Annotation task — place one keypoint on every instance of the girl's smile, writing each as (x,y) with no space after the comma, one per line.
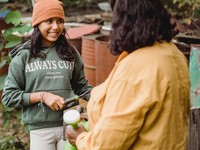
(50,30)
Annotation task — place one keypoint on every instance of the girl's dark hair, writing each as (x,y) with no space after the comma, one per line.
(138,23)
(64,49)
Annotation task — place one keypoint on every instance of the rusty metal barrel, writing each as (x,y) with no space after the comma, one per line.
(104,60)
(88,55)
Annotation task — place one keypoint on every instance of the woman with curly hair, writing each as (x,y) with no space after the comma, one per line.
(144,103)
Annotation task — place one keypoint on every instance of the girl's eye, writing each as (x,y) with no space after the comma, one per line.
(60,21)
(49,21)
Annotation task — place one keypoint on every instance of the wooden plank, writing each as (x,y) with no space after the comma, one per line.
(194,130)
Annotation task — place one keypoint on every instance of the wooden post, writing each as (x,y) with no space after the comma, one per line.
(194,130)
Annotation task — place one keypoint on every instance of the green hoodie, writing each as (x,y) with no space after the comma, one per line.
(52,74)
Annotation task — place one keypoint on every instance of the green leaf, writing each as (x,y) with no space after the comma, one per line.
(3,63)
(8,109)
(1,46)
(12,41)
(19,114)
(24,29)
(13,17)
(2,10)
(16,30)
(21,29)
(15,127)
(11,141)
(7,32)
(2,81)
(5,59)
(6,124)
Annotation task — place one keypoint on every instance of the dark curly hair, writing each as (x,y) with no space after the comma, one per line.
(139,23)
(64,49)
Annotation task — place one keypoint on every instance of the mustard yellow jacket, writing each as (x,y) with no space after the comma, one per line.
(143,105)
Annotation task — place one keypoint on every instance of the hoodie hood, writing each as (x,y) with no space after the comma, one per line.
(18,48)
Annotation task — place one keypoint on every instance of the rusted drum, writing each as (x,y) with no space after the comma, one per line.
(88,55)
(104,59)
(75,34)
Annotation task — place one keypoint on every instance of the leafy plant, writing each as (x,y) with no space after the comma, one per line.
(187,9)
(13,34)
(14,135)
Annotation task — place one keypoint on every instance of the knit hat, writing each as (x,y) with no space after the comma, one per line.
(45,9)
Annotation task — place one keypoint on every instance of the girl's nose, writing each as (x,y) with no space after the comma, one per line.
(54,25)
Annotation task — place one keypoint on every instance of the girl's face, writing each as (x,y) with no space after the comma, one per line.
(50,30)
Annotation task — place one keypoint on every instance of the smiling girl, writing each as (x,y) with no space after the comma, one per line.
(43,72)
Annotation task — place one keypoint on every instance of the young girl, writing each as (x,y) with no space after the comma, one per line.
(43,72)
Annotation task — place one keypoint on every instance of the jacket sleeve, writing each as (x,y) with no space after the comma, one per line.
(79,82)
(123,114)
(13,92)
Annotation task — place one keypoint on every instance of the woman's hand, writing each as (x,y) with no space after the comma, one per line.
(72,133)
(55,102)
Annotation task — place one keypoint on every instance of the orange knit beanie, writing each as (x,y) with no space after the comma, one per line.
(45,9)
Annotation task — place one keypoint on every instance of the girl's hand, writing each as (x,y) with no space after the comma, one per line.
(72,133)
(55,102)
